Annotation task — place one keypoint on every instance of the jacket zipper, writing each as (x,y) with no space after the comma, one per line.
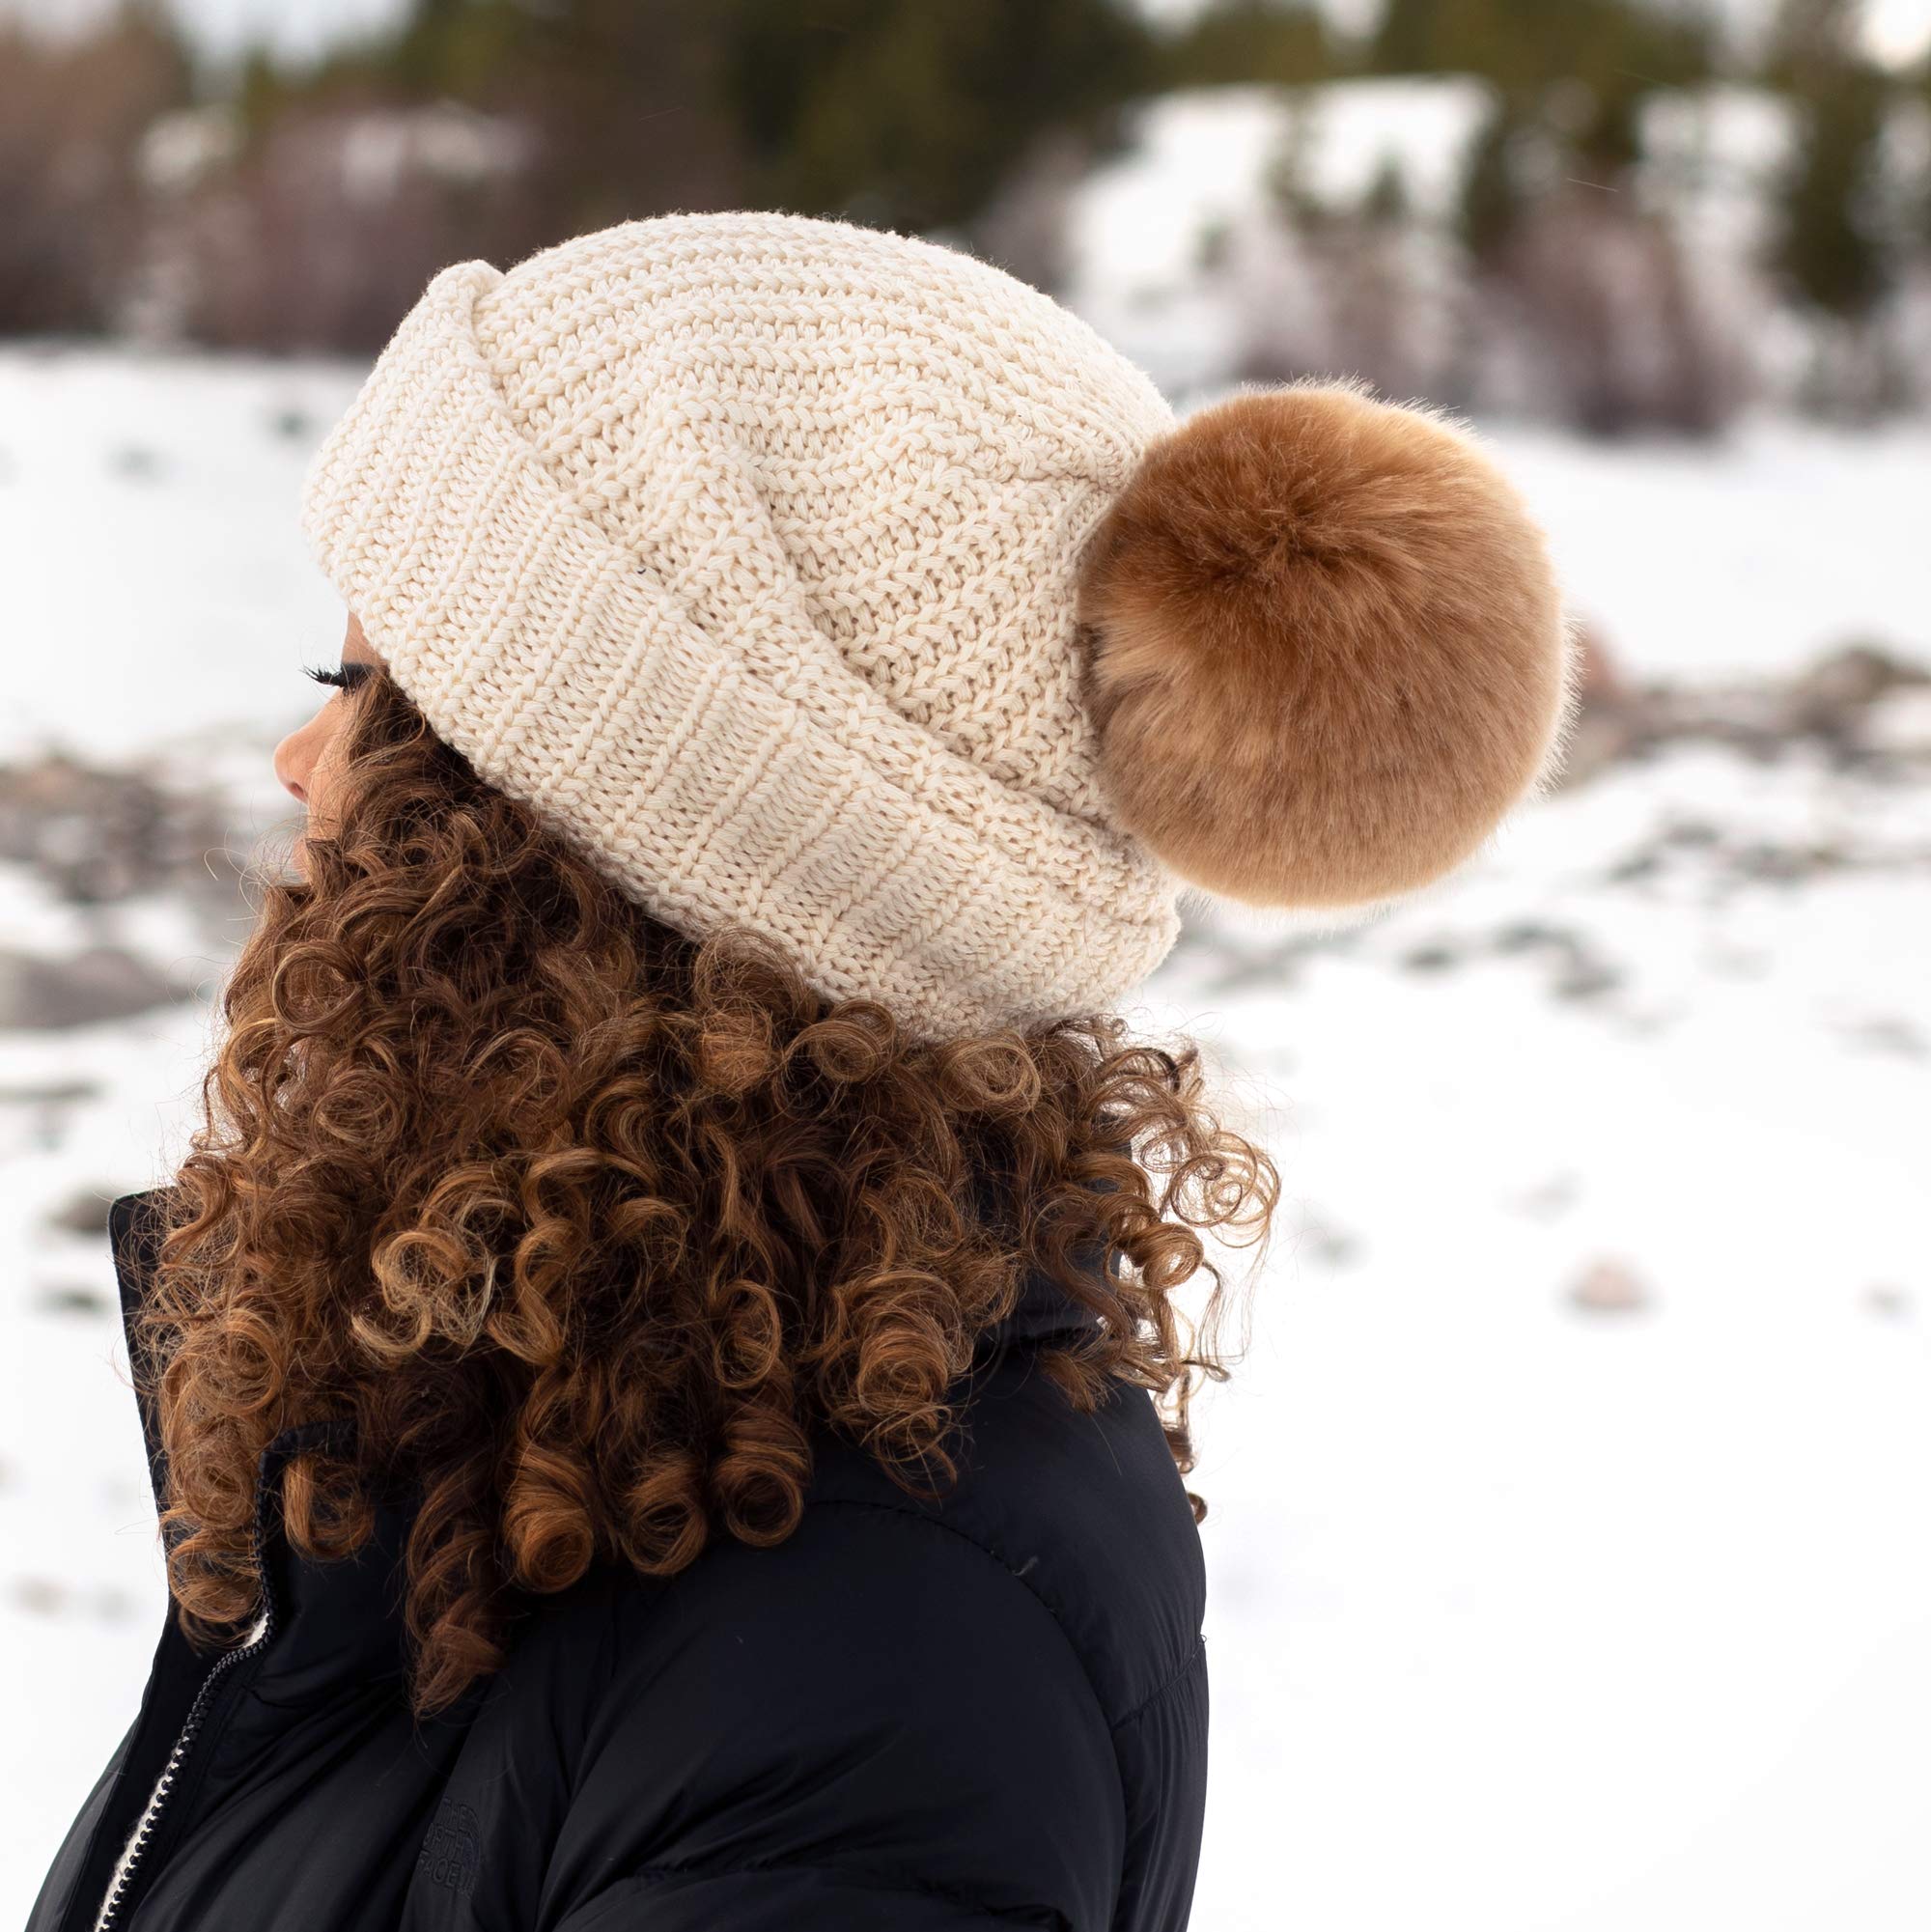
(144,1830)
(256,1642)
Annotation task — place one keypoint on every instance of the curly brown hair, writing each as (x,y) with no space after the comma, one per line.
(586,1225)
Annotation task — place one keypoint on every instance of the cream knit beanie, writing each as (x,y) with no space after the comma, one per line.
(749,550)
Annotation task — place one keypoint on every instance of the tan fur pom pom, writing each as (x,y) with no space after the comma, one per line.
(1327,651)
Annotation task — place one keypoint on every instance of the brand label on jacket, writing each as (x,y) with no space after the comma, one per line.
(453,1848)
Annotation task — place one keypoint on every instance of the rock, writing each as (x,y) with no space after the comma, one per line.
(83,1214)
(1889,1033)
(55,1094)
(40,1596)
(1599,679)
(142,465)
(1319,1240)
(1830,698)
(39,1116)
(1609,720)
(103,983)
(97,836)
(1899,724)
(1609,1288)
(1854,701)
(1550,1199)
(72,1297)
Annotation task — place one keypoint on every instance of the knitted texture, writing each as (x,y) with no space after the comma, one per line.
(745,547)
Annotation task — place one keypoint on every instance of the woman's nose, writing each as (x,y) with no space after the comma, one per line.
(292,767)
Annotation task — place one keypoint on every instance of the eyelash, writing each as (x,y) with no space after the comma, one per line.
(344,677)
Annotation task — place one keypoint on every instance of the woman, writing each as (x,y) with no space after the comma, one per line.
(663,1365)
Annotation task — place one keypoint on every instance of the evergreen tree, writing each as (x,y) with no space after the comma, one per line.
(1812,40)
(72,115)
(1526,45)
(626,98)
(1829,246)
(1595,60)
(1411,37)
(1491,201)
(912,116)
(909,115)
(1284,42)
(1387,203)
(260,92)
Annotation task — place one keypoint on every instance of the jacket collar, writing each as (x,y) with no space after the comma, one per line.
(337,1627)
(334,1625)
(136,1223)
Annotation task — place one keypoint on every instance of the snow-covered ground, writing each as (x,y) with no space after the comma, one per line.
(1567,1548)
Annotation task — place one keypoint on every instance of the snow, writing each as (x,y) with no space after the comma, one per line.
(1209,162)
(1749,555)
(1202,156)
(1526,1615)
(147,507)
(1725,140)
(1530,1618)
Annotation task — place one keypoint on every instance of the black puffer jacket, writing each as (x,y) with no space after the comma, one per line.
(990,1712)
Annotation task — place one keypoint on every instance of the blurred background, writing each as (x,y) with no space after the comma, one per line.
(1568,1532)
